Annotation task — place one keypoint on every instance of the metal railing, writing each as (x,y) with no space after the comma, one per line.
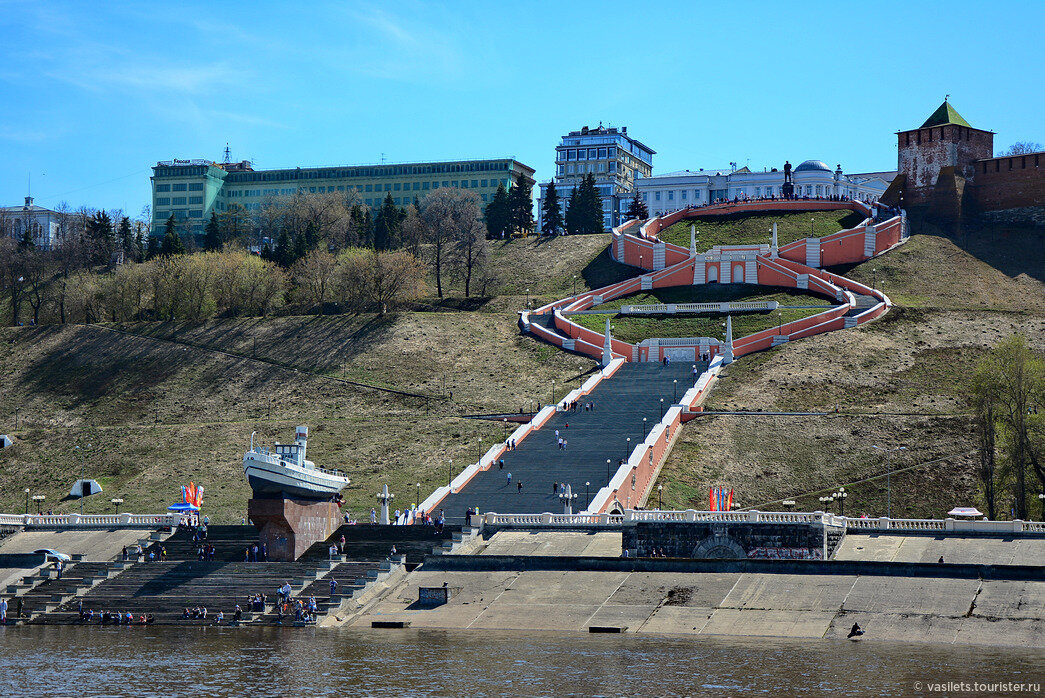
(631,516)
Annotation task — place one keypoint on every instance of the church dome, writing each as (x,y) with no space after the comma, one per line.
(810,165)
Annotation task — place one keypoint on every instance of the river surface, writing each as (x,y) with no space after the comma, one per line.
(176,661)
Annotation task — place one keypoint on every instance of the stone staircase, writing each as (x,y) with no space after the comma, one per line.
(834,535)
(42,593)
(165,589)
(369,543)
(230,543)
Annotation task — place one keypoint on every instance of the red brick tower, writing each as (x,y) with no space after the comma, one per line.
(937,157)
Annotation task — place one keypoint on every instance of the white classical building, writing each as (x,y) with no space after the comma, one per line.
(42,223)
(813,179)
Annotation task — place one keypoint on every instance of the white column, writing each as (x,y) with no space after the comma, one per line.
(727,354)
(607,347)
(774,250)
(385,498)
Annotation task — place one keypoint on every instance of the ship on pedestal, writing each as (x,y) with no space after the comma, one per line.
(283,472)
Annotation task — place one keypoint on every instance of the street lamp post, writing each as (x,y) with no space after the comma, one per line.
(889,475)
(675,384)
(841,495)
(811,226)
(116,502)
(575,284)
(660,498)
(874,278)
(1041,497)
(418,505)
(587,501)
(26,500)
(608,476)
(825,503)
(39,499)
(450,473)
(662,408)
(643,428)
(789,503)
(527,299)
(627,448)
(505,428)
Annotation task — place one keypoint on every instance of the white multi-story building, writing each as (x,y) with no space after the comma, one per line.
(812,179)
(615,159)
(43,223)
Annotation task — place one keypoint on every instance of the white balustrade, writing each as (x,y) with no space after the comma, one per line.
(89,520)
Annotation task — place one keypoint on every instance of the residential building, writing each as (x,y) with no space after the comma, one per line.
(615,159)
(812,178)
(44,225)
(192,189)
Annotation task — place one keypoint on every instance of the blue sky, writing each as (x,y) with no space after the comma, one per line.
(96,93)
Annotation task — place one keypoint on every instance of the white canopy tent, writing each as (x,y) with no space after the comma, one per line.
(85,488)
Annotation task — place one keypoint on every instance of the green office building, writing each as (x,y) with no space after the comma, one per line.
(192,189)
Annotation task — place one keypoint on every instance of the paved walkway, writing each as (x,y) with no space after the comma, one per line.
(621,402)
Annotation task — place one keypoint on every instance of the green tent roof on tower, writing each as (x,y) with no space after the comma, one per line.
(945,115)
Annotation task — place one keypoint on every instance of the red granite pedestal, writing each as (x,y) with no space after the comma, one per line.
(289,527)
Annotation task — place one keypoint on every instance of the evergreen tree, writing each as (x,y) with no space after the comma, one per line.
(125,235)
(590,202)
(139,242)
(573,211)
(637,208)
(284,252)
(311,240)
(387,225)
(26,241)
(497,218)
(212,237)
(520,206)
(551,212)
(172,243)
(154,247)
(300,247)
(102,237)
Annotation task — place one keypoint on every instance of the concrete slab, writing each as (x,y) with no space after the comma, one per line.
(1005,599)
(632,617)
(535,616)
(604,544)
(790,592)
(1006,632)
(563,587)
(567,543)
(1029,552)
(704,590)
(871,547)
(912,595)
(677,620)
(896,627)
(768,623)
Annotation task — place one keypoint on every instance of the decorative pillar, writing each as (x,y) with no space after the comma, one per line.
(774,250)
(607,347)
(727,355)
(385,498)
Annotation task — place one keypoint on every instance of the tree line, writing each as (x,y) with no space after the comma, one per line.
(582,215)
(1008,396)
(301,247)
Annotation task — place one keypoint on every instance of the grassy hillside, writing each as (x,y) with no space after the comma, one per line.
(749,228)
(163,403)
(900,381)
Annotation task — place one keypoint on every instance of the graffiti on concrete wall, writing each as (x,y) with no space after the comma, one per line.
(786,553)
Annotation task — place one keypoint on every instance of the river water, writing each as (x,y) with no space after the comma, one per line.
(144,661)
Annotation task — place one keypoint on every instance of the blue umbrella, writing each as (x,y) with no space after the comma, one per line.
(183,506)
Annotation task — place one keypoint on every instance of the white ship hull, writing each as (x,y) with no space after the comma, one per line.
(270,477)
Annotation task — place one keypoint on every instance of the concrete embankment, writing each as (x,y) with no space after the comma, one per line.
(968,604)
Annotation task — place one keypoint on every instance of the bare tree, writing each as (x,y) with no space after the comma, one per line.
(444,214)
(393,278)
(313,275)
(472,250)
(1022,148)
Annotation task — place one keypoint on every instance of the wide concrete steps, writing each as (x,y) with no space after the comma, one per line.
(230,544)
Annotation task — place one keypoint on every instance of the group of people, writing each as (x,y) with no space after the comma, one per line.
(256,554)
(115,617)
(301,611)
(205,552)
(256,603)
(571,406)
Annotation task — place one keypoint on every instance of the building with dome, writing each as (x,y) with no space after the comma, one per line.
(812,178)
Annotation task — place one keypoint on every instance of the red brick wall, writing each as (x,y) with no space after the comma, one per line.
(922,152)
(1015,181)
